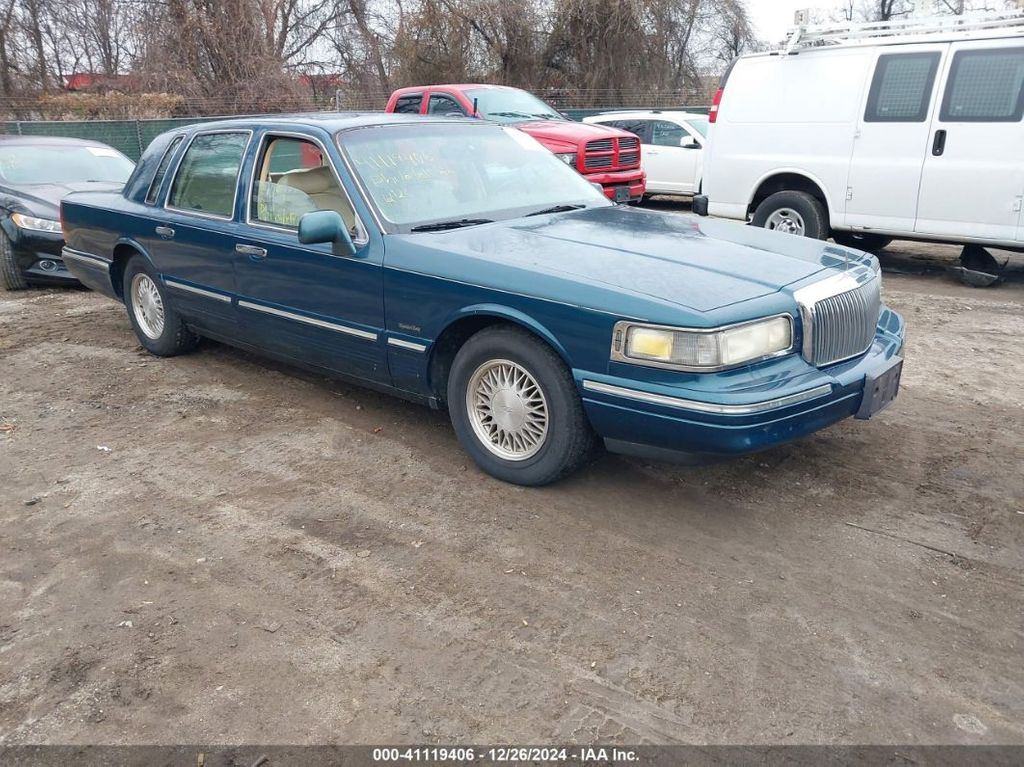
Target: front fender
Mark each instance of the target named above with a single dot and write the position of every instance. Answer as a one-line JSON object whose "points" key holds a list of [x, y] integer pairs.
{"points": [[512, 315]]}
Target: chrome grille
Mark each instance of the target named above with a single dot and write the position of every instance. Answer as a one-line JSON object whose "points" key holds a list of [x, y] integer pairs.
{"points": [[600, 145], [839, 320], [601, 161]]}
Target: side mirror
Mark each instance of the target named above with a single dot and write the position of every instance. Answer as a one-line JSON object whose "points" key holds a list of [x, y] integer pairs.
{"points": [[688, 143], [326, 226]]}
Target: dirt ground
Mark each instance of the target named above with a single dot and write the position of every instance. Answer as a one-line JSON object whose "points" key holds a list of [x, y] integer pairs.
{"points": [[209, 549]]}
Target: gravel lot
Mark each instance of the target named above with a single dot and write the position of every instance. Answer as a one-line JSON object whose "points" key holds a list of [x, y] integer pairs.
{"points": [[211, 549]]}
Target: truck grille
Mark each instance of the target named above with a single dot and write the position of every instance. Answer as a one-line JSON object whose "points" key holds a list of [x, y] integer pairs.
{"points": [[839, 320], [612, 154]]}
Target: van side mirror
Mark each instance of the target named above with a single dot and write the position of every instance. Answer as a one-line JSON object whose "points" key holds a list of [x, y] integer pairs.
{"points": [[326, 226]]}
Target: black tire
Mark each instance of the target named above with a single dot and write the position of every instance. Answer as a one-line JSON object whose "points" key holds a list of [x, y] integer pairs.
{"points": [[10, 273], [174, 336], [862, 240], [569, 440], [809, 209]]}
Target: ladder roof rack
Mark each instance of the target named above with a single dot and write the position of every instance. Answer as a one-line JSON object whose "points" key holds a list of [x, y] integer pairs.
{"points": [[901, 30]]}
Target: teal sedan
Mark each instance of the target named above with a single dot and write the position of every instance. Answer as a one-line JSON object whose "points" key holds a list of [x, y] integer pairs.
{"points": [[459, 264]]}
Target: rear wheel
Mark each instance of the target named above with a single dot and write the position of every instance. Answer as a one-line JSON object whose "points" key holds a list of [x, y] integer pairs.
{"points": [[793, 213], [157, 325], [11, 275], [862, 240], [515, 408]]}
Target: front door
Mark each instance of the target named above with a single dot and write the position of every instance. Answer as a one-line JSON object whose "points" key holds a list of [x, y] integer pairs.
{"points": [[974, 169], [192, 241], [891, 139], [304, 301], [671, 159]]}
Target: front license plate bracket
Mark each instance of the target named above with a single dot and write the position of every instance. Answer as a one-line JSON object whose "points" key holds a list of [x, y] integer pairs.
{"points": [[880, 388]]}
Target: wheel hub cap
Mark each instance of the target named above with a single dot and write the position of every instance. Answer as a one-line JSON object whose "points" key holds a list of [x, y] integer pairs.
{"points": [[148, 306], [507, 410], [786, 220]]}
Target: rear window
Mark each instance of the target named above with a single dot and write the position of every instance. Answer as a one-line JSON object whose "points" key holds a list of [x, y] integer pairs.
{"points": [[985, 86], [409, 104], [901, 90]]}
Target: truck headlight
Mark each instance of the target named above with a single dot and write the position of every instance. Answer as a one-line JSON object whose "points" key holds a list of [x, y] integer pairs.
{"points": [[569, 158], [34, 224], [700, 350]]}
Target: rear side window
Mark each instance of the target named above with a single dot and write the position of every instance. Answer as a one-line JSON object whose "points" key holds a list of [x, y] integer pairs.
{"points": [[161, 170], [901, 90], [409, 104], [985, 86], [207, 177], [640, 127]]}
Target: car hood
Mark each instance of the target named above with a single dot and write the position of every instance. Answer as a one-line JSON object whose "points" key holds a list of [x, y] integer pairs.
{"points": [[43, 200], [568, 132], [698, 263]]}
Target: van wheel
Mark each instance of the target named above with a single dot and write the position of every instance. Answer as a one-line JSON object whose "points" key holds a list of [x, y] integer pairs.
{"points": [[793, 213], [159, 328], [515, 408], [862, 240], [11, 275]]}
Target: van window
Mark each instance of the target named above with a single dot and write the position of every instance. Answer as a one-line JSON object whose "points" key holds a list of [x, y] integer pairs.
{"points": [[901, 90], [985, 86], [409, 104], [208, 174]]}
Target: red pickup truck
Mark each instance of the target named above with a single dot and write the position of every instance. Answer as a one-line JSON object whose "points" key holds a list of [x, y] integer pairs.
{"points": [[603, 155]]}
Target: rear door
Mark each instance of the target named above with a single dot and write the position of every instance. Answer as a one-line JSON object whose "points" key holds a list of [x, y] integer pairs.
{"points": [[304, 301], [891, 139], [973, 175]]}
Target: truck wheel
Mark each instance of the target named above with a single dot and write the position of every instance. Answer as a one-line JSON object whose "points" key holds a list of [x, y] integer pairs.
{"points": [[515, 408], [157, 325], [793, 213], [862, 240], [10, 273]]}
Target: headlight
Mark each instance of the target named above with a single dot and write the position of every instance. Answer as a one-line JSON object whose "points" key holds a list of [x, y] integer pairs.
{"points": [[569, 158], [702, 350], [35, 224]]}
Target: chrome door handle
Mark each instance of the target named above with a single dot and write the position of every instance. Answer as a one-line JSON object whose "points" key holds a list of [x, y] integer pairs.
{"points": [[165, 231], [252, 251]]}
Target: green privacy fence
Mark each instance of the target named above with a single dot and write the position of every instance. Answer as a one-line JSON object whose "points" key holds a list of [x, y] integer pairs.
{"points": [[132, 136]]}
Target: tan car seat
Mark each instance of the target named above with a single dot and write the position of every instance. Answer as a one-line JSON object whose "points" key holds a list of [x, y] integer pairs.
{"points": [[322, 188]]}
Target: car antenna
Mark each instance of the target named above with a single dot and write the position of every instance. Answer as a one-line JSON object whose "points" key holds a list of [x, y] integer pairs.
{"points": [[474, 107]]}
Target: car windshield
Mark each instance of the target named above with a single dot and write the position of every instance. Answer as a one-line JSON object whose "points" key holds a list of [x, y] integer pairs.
{"points": [[62, 164], [510, 105], [420, 174], [699, 124]]}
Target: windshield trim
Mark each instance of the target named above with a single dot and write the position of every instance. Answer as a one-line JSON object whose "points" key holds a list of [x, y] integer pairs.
{"points": [[387, 226]]}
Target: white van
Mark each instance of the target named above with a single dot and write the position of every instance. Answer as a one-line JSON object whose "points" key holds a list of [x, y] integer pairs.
{"points": [[908, 129]]}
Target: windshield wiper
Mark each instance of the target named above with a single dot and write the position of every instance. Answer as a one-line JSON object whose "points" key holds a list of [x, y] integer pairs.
{"points": [[510, 114], [442, 225], [556, 209]]}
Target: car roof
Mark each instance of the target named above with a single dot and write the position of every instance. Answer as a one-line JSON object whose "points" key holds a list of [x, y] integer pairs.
{"points": [[331, 122], [456, 87], [23, 140], [627, 113]]}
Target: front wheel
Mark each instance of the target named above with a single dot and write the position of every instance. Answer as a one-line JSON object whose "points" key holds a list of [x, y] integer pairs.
{"points": [[11, 275], [793, 213], [157, 325], [515, 408], [862, 240]]}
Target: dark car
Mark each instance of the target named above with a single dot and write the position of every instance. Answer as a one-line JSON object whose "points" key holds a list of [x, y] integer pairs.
{"points": [[460, 264], [35, 174]]}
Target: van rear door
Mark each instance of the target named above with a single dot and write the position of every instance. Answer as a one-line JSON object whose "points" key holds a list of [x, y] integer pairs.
{"points": [[973, 174], [891, 138]]}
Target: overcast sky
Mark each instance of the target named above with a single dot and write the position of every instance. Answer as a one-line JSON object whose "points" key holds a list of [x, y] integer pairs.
{"points": [[773, 17]]}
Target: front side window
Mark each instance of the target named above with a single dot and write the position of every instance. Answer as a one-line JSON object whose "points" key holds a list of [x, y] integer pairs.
{"points": [[208, 174], [699, 124], [409, 104], [640, 127], [443, 105], [294, 178], [901, 89], [664, 133], [161, 170], [420, 174], [985, 86]]}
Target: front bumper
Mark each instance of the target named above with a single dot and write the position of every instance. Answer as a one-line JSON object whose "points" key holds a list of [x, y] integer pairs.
{"points": [[633, 183], [38, 255], [672, 423]]}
